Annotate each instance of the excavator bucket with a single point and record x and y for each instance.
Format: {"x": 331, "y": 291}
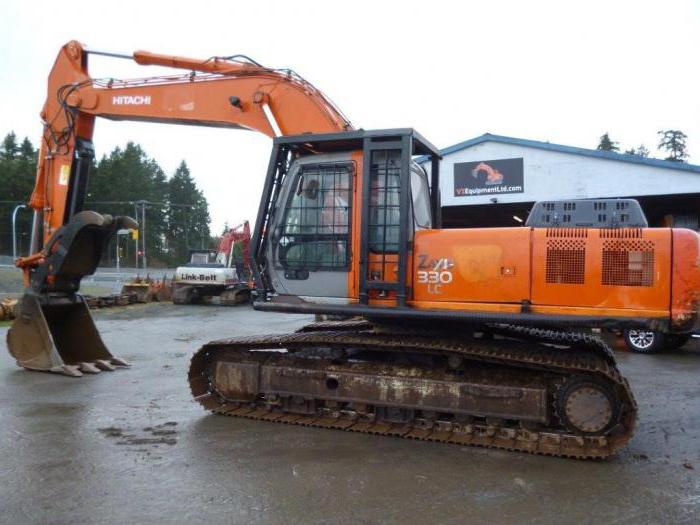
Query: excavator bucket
{"x": 58, "y": 337}
{"x": 53, "y": 329}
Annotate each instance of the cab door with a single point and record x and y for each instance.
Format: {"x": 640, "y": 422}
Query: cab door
{"x": 310, "y": 245}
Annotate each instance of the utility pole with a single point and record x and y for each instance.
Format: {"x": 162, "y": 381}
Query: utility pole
{"x": 14, "y": 229}
{"x": 143, "y": 229}
{"x": 136, "y": 240}
{"x": 201, "y": 237}
{"x": 187, "y": 230}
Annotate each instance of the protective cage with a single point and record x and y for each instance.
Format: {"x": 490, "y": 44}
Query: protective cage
{"x": 401, "y": 144}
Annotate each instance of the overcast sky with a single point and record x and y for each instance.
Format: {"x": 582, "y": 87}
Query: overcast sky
{"x": 557, "y": 71}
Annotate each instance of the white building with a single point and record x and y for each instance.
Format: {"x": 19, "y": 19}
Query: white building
{"x": 493, "y": 180}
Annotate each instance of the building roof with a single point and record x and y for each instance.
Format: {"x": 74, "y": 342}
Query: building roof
{"x": 599, "y": 154}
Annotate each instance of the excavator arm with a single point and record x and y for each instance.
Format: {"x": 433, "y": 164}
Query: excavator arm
{"x": 232, "y": 92}
{"x": 67, "y": 242}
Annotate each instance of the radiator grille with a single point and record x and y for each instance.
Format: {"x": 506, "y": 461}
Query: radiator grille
{"x": 628, "y": 263}
{"x": 621, "y": 233}
{"x": 566, "y": 261}
{"x": 567, "y": 232}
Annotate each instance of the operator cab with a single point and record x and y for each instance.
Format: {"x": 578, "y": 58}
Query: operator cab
{"x": 316, "y": 213}
{"x": 203, "y": 259}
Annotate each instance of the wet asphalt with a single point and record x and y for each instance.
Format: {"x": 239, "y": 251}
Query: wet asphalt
{"x": 131, "y": 446}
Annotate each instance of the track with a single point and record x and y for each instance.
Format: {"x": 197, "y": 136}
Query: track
{"x": 549, "y": 360}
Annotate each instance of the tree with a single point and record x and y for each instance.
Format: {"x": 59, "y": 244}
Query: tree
{"x": 606, "y": 144}
{"x": 175, "y": 209}
{"x": 674, "y": 142}
{"x": 9, "y": 146}
{"x": 17, "y": 171}
{"x": 26, "y": 151}
{"x": 640, "y": 151}
{"x": 118, "y": 182}
{"x": 187, "y": 215}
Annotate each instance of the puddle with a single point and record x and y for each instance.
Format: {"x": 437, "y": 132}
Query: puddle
{"x": 163, "y": 434}
{"x": 52, "y": 409}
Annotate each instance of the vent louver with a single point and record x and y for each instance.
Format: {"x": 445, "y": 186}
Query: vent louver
{"x": 566, "y": 261}
{"x": 628, "y": 263}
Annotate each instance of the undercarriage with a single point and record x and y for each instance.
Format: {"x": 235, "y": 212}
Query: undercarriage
{"x": 524, "y": 389}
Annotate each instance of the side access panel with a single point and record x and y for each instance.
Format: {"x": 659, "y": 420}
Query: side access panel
{"x": 625, "y": 268}
{"x": 472, "y": 265}
{"x": 685, "y": 304}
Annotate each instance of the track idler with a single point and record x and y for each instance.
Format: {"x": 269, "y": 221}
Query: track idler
{"x": 53, "y": 330}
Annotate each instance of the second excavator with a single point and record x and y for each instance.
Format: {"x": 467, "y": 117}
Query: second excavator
{"x": 460, "y": 336}
{"x": 225, "y": 280}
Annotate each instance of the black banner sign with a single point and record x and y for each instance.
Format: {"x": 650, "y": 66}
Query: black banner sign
{"x": 488, "y": 177}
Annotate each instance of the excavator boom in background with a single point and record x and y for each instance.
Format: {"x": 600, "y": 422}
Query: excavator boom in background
{"x": 460, "y": 336}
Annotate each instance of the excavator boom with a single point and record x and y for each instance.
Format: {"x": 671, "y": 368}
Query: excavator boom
{"x": 230, "y": 92}
{"x": 67, "y": 242}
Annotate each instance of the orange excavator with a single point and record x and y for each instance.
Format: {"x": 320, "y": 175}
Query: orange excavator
{"x": 460, "y": 336}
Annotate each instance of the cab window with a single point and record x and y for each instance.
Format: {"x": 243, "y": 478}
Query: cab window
{"x": 316, "y": 228}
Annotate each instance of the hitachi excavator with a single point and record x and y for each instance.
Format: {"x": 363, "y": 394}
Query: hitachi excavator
{"x": 459, "y": 336}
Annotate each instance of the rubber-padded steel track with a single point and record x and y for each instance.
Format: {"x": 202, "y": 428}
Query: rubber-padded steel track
{"x": 560, "y": 353}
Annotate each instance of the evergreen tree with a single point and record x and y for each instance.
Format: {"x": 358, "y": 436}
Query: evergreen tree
{"x": 9, "y": 147}
{"x": 640, "y": 151}
{"x": 674, "y": 142}
{"x": 118, "y": 183}
{"x": 27, "y": 151}
{"x": 188, "y": 215}
{"x": 606, "y": 144}
{"x": 17, "y": 172}
{"x": 177, "y": 213}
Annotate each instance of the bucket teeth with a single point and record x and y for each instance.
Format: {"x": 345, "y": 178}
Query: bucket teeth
{"x": 118, "y": 361}
{"x": 86, "y": 367}
{"x": 68, "y": 370}
{"x": 103, "y": 364}
{"x": 89, "y": 368}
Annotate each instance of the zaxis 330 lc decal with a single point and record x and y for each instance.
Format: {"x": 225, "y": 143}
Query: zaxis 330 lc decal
{"x": 436, "y": 273}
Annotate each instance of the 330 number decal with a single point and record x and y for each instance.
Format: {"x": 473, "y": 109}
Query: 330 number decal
{"x": 434, "y": 277}
{"x": 435, "y": 273}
